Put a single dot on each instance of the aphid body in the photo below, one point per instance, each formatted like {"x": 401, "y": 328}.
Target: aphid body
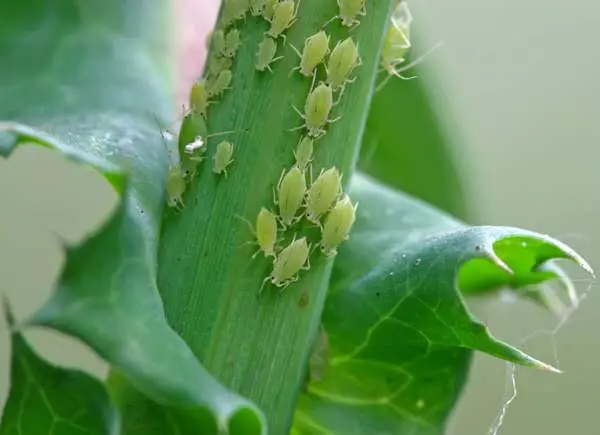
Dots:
{"x": 322, "y": 194}
{"x": 395, "y": 47}
{"x": 232, "y": 43}
{"x": 290, "y": 194}
{"x": 220, "y": 84}
{"x": 223, "y": 157}
{"x": 284, "y": 15}
{"x": 269, "y": 9}
{"x": 337, "y": 226}
{"x": 350, "y": 10}
{"x": 235, "y": 10}
{"x": 217, "y": 63}
{"x": 217, "y": 42}
{"x": 343, "y": 59}
{"x": 289, "y": 262}
{"x": 257, "y": 7}
{"x": 265, "y": 54}
{"x": 315, "y": 49}
{"x": 304, "y": 152}
{"x": 316, "y": 110}
{"x": 199, "y": 97}
{"x": 175, "y": 187}
{"x": 266, "y": 232}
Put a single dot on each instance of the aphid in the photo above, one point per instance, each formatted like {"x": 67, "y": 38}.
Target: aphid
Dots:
{"x": 395, "y": 46}
{"x": 269, "y": 9}
{"x": 257, "y": 7}
{"x": 216, "y": 64}
{"x": 235, "y": 10}
{"x": 220, "y": 84}
{"x": 199, "y": 97}
{"x": 223, "y": 157}
{"x": 315, "y": 49}
{"x": 266, "y": 51}
{"x": 350, "y": 10}
{"x": 217, "y": 42}
{"x": 343, "y": 59}
{"x": 323, "y": 192}
{"x": 284, "y": 16}
{"x": 266, "y": 232}
{"x": 232, "y": 43}
{"x": 316, "y": 110}
{"x": 337, "y": 226}
{"x": 304, "y": 152}
{"x": 290, "y": 193}
{"x": 288, "y": 263}
{"x": 175, "y": 187}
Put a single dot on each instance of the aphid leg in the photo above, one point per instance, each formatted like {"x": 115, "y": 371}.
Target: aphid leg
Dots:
{"x": 331, "y": 121}
{"x": 262, "y": 286}
{"x": 384, "y": 82}
{"x": 296, "y": 51}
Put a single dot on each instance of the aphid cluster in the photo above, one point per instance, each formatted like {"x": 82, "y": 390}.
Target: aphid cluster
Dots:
{"x": 320, "y": 203}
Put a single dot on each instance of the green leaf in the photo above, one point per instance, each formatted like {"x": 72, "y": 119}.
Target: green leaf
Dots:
{"x": 399, "y": 333}
{"x": 45, "y": 399}
{"x": 86, "y": 79}
{"x": 408, "y": 143}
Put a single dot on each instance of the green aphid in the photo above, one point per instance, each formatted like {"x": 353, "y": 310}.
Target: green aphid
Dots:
{"x": 199, "y": 97}
{"x": 290, "y": 194}
{"x": 322, "y": 194}
{"x": 175, "y": 187}
{"x": 288, "y": 264}
{"x": 220, "y": 84}
{"x": 304, "y": 152}
{"x": 232, "y": 43}
{"x": 315, "y": 49}
{"x": 257, "y": 7}
{"x": 338, "y": 224}
{"x": 265, "y": 54}
{"x": 217, "y": 63}
{"x": 217, "y": 42}
{"x": 269, "y": 9}
{"x": 317, "y": 108}
{"x": 284, "y": 16}
{"x": 223, "y": 157}
{"x": 350, "y": 10}
{"x": 234, "y": 10}
{"x": 342, "y": 61}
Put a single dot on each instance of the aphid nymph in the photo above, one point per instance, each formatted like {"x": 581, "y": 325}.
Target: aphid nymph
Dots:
{"x": 350, "y": 10}
{"x": 175, "y": 187}
{"x": 232, "y": 43}
{"x": 343, "y": 59}
{"x": 217, "y": 42}
{"x": 288, "y": 263}
{"x": 235, "y": 10}
{"x": 290, "y": 194}
{"x": 269, "y": 9}
{"x": 315, "y": 49}
{"x": 217, "y": 63}
{"x": 304, "y": 152}
{"x": 199, "y": 97}
{"x": 337, "y": 226}
{"x": 316, "y": 110}
{"x": 264, "y": 231}
{"x": 257, "y": 7}
{"x": 220, "y": 84}
{"x": 223, "y": 157}
{"x": 284, "y": 16}
{"x": 323, "y": 193}
{"x": 265, "y": 54}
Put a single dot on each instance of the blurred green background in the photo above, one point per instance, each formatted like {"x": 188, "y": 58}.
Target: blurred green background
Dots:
{"x": 520, "y": 80}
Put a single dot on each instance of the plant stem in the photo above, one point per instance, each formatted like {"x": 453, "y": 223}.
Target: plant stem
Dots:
{"x": 259, "y": 345}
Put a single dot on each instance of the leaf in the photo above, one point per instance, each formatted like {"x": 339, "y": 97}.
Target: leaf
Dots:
{"x": 65, "y": 402}
{"x": 399, "y": 333}
{"x": 408, "y": 143}
{"x": 96, "y": 102}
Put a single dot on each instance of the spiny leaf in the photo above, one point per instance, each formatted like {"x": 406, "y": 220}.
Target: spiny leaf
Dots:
{"x": 399, "y": 333}
{"x": 47, "y": 399}
{"x": 96, "y": 102}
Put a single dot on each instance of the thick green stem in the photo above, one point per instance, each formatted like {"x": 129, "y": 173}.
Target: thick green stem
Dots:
{"x": 258, "y": 345}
